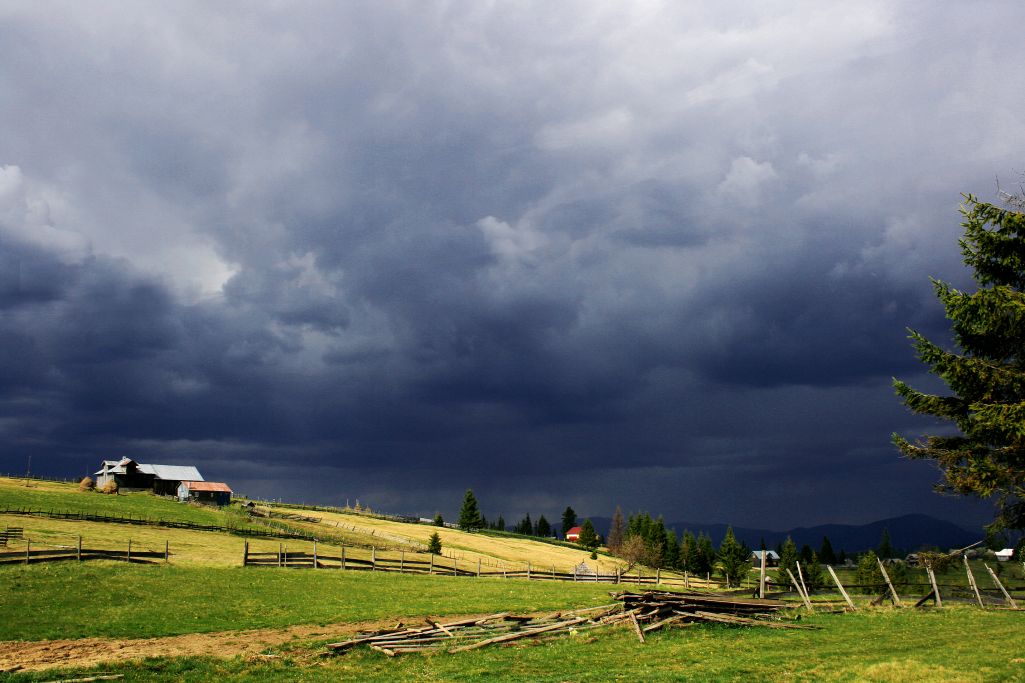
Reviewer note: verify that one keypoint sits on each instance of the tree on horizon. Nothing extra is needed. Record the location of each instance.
(617, 531)
(569, 520)
(469, 515)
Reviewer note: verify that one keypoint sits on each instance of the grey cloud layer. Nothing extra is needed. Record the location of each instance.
(489, 245)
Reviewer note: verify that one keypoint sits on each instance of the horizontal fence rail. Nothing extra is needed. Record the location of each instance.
(80, 553)
(281, 532)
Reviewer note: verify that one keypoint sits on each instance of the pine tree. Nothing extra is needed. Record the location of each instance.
(617, 531)
(439, 520)
(987, 374)
(869, 578)
(434, 544)
(688, 553)
(469, 515)
(569, 520)
(544, 529)
(805, 554)
(787, 560)
(885, 549)
(525, 527)
(500, 523)
(588, 537)
(672, 549)
(814, 576)
(734, 559)
(826, 554)
(705, 556)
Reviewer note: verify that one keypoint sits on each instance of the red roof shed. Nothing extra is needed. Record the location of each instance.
(573, 534)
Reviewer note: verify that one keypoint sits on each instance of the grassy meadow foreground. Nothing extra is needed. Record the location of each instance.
(202, 616)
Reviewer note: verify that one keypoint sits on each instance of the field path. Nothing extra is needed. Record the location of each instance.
(84, 652)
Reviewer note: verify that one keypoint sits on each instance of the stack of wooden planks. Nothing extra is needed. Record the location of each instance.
(655, 609)
(644, 612)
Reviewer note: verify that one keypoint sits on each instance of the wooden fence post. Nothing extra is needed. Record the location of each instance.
(129, 556)
(686, 580)
(342, 563)
(455, 566)
(478, 567)
(167, 551)
(431, 570)
(804, 596)
(619, 574)
(79, 548)
(935, 588)
(574, 572)
(839, 585)
(28, 551)
(528, 571)
(279, 554)
(245, 553)
(314, 554)
(761, 576)
(971, 581)
(1007, 596)
(373, 558)
(896, 598)
(658, 576)
(402, 561)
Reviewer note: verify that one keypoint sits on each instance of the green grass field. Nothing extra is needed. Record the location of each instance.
(68, 600)
(203, 591)
(958, 644)
(44, 495)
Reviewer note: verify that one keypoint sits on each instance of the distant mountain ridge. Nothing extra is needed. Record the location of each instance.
(907, 533)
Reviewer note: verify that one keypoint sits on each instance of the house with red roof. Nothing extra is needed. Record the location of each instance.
(573, 535)
(213, 492)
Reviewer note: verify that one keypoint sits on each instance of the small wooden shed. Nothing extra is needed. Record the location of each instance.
(573, 535)
(212, 492)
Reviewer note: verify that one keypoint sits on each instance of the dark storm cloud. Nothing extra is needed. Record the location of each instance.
(392, 252)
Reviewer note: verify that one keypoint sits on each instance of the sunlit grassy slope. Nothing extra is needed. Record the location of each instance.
(505, 551)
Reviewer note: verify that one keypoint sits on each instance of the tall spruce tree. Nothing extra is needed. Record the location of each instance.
(826, 553)
(525, 527)
(986, 375)
(617, 531)
(734, 559)
(569, 520)
(543, 528)
(705, 556)
(469, 515)
(787, 560)
(885, 549)
(588, 536)
(688, 553)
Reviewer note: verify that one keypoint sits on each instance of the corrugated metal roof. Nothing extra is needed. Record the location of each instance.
(207, 486)
(172, 472)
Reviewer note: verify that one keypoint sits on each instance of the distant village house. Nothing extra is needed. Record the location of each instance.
(573, 535)
(771, 558)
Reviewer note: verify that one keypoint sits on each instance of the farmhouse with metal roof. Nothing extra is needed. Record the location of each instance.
(131, 475)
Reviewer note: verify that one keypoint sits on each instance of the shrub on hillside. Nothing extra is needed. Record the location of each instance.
(110, 487)
(87, 484)
(434, 544)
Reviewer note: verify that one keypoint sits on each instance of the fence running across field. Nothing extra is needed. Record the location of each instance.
(342, 558)
(38, 551)
(283, 532)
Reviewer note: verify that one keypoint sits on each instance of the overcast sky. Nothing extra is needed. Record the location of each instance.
(660, 255)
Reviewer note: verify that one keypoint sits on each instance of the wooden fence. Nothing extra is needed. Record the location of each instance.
(416, 563)
(283, 532)
(80, 553)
